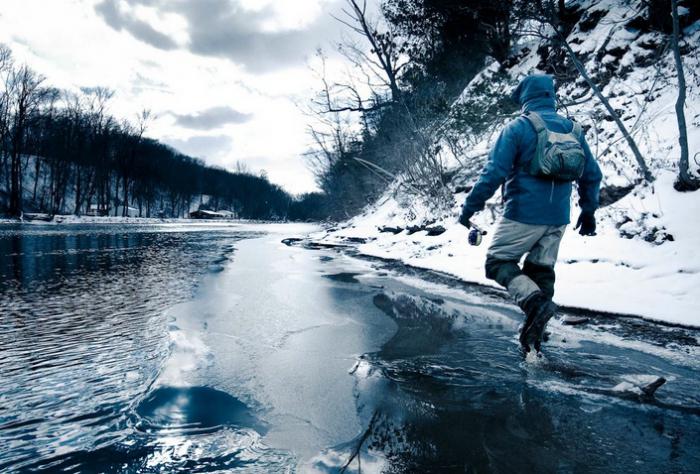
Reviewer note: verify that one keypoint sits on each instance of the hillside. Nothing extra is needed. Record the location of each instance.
(645, 259)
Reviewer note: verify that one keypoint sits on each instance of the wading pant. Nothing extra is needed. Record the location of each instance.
(511, 241)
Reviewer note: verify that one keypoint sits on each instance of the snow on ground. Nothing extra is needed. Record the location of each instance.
(604, 273)
(646, 258)
(73, 219)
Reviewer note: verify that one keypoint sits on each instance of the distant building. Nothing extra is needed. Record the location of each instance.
(205, 214)
(95, 210)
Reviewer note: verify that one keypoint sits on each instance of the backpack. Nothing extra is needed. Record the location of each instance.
(558, 156)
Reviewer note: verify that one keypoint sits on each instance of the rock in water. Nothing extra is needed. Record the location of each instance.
(651, 388)
(639, 385)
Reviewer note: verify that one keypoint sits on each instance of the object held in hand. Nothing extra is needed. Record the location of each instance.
(475, 235)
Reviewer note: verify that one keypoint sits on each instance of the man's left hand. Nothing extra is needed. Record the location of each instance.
(464, 219)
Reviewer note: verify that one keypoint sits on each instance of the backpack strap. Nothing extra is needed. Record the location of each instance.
(536, 121)
(542, 135)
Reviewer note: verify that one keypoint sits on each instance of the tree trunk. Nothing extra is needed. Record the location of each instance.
(16, 165)
(685, 181)
(657, 15)
(646, 174)
(15, 206)
(90, 185)
(3, 167)
(78, 190)
(37, 170)
(125, 208)
(116, 197)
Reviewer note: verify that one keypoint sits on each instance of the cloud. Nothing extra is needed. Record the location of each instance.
(99, 49)
(120, 20)
(211, 118)
(213, 148)
(223, 28)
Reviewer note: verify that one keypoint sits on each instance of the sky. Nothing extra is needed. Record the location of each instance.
(226, 80)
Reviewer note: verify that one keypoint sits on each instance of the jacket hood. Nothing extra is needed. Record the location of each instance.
(535, 92)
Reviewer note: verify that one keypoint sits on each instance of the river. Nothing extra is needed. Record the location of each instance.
(217, 348)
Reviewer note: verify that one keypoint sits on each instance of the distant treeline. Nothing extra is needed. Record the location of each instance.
(62, 152)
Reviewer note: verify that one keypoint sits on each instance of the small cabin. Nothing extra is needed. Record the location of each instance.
(95, 210)
(205, 214)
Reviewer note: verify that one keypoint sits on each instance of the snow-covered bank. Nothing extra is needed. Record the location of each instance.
(607, 272)
(72, 219)
(604, 273)
(645, 259)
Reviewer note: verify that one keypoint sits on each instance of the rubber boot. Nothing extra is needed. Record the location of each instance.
(538, 309)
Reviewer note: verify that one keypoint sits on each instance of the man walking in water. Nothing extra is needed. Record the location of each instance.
(538, 156)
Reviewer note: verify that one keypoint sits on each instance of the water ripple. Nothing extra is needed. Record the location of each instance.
(84, 333)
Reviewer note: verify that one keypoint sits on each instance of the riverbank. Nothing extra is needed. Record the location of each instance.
(73, 219)
(644, 261)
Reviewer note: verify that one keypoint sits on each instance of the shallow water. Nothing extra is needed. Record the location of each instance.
(217, 348)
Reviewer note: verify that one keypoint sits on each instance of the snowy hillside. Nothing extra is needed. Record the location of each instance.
(646, 257)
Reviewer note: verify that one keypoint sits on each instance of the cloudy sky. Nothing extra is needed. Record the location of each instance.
(224, 78)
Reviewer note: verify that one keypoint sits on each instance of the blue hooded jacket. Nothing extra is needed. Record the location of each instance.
(530, 199)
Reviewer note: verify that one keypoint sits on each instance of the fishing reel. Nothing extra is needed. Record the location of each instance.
(475, 235)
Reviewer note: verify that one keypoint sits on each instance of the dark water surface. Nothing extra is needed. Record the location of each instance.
(218, 349)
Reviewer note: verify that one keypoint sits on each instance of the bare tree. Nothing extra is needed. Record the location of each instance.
(6, 68)
(99, 123)
(49, 115)
(132, 136)
(27, 94)
(685, 181)
(383, 63)
(241, 167)
(76, 108)
(643, 168)
(374, 54)
(330, 131)
(404, 138)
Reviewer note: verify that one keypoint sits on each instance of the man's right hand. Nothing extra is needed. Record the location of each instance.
(586, 221)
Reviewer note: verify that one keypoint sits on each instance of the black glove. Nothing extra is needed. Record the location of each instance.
(464, 218)
(586, 221)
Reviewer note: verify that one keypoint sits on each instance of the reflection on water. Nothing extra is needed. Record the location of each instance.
(176, 429)
(83, 334)
(193, 409)
(450, 393)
